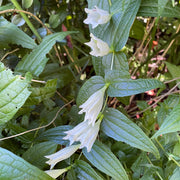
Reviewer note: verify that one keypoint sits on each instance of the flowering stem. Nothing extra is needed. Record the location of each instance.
(110, 3)
(16, 4)
(112, 61)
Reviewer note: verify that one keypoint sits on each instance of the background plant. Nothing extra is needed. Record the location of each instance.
(46, 73)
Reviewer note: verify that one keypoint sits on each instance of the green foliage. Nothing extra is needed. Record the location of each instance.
(13, 94)
(120, 128)
(86, 172)
(9, 33)
(14, 167)
(103, 159)
(47, 72)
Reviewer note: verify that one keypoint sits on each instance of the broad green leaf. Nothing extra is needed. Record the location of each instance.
(119, 63)
(161, 6)
(89, 87)
(42, 93)
(13, 94)
(150, 8)
(174, 71)
(55, 134)
(36, 60)
(176, 174)
(126, 87)
(171, 123)
(27, 3)
(35, 154)
(85, 171)
(16, 168)
(103, 159)
(11, 34)
(120, 128)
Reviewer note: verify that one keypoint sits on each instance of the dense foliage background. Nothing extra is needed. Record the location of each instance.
(46, 72)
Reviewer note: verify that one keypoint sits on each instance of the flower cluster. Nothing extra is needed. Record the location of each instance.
(86, 132)
(96, 17)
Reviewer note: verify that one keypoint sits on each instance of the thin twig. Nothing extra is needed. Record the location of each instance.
(168, 93)
(20, 134)
(8, 54)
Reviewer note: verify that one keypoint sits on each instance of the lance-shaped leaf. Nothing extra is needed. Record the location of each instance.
(104, 160)
(171, 123)
(126, 87)
(14, 167)
(36, 60)
(85, 171)
(120, 128)
(11, 34)
(161, 6)
(13, 94)
(151, 8)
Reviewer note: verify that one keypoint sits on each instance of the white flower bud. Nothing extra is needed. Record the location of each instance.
(99, 47)
(96, 16)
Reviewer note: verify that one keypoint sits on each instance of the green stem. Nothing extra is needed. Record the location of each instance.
(112, 61)
(110, 3)
(167, 155)
(28, 22)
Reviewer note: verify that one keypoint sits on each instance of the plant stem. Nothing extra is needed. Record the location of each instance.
(112, 61)
(33, 29)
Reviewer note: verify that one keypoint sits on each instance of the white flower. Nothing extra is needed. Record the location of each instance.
(84, 133)
(56, 172)
(93, 106)
(61, 155)
(99, 47)
(96, 16)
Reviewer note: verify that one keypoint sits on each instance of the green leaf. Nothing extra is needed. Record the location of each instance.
(27, 3)
(174, 71)
(176, 174)
(42, 93)
(11, 34)
(171, 123)
(125, 87)
(137, 30)
(104, 160)
(161, 6)
(120, 63)
(36, 60)
(55, 134)
(85, 171)
(13, 94)
(35, 155)
(89, 87)
(150, 8)
(16, 168)
(120, 128)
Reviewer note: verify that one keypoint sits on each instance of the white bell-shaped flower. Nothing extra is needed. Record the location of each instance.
(93, 105)
(61, 155)
(96, 16)
(99, 47)
(85, 133)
